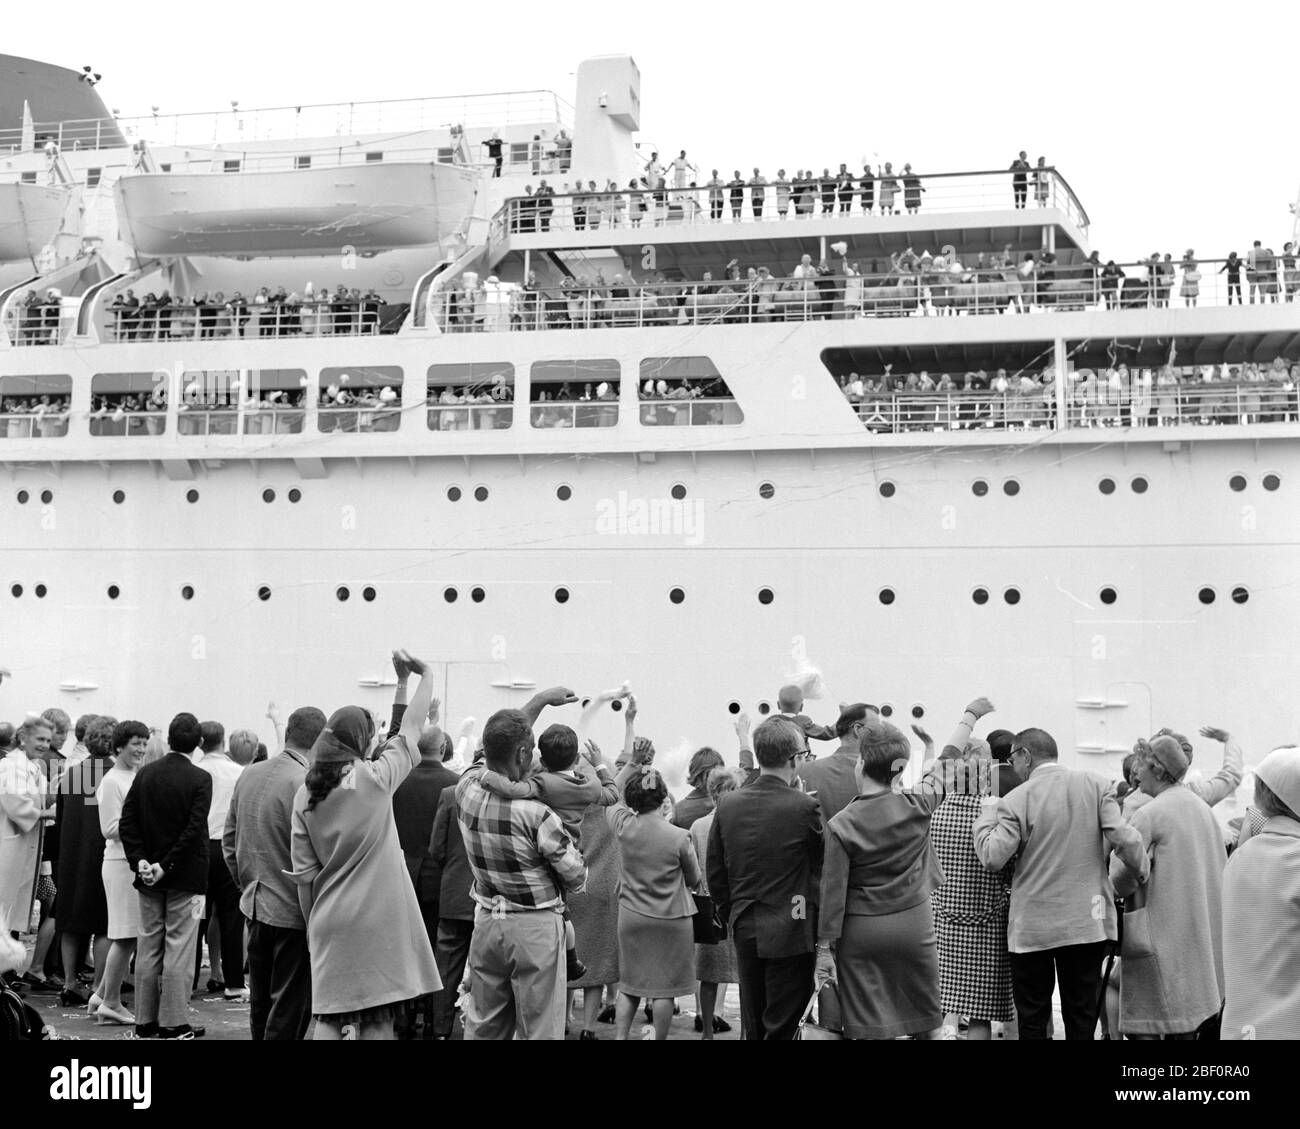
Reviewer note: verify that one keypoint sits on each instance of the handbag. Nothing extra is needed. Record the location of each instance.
(709, 927)
(807, 1029)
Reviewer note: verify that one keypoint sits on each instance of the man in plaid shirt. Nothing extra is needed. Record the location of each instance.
(522, 860)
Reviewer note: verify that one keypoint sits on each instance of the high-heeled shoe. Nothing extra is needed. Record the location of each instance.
(93, 1003)
(106, 1015)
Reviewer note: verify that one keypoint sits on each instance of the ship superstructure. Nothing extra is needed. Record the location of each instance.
(624, 432)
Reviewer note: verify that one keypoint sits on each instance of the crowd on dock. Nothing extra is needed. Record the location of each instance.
(370, 878)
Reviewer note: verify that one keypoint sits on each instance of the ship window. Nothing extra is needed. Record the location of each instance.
(93, 177)
(209, 402)
(980, 596)
(22, 496)
(1011, 488)
(372, 157)
(268, 495)
(232, 165)
(450, 594)
(683, 391)
(15, 590)
(1237, 483)
(616, 706)
(677, 595)
(480, 493)
(28, 178)
(733, 707)
(368, 594)
(275, 401)
(1012, 595)
(128, 403)
(766, 490)
(886, 711)
(119, 496)
(918, 712)
(764, 708)
(34, 407)
(561, 595)
(1106, 486)
(187, 593)
(1109, 596)
(678, 491)
(887, 596)
(1271, 482)
(191, 496)
(1240, 595)
(887, 489)
(295, 495)
(47, 496)
(1139, 485)
(114, 591)
(470, 397)
(518, 153)
(575, 393)
(477, 595)
(40, 591)
(446, 156)
(264, 593)
(341, 594)
(360, 398)
(1206, 595)
(302, 162)
(165, 168)
(766, 595)
(979, 488)
(564, 492)
(453, 493)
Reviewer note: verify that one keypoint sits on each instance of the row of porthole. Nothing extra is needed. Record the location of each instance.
(886, 709)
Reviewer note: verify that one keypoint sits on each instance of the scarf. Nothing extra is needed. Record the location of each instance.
(346, 737)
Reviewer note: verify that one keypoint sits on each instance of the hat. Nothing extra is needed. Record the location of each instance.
(1280, 770)
(1168, 754)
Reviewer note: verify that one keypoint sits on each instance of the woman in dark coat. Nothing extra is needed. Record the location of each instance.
(81, 907)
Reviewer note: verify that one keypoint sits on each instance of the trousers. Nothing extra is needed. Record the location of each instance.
(451, 951)
(164, 959)
(1076, 971)
(279, 983)
(517, 976)
(773, 990)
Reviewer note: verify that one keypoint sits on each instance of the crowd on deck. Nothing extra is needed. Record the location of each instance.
(376, 878)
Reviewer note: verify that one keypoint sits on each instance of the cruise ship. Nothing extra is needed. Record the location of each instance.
(283, 389)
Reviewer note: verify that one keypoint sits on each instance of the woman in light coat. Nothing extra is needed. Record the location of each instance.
(23, 812)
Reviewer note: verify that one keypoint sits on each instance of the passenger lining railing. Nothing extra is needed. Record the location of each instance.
(715, 412)
(131, 423)
(187, 322)
(568, 413)
(624, 207)
(470, 417)
(837, 296)
(359, 419)
(33, 425)
(47, 323)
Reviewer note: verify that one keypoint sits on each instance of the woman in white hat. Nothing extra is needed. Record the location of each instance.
(1261, 910)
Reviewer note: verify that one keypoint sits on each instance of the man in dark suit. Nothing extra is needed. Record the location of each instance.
(164, 828)
(455, 911)
(764, 867)
(831, 778)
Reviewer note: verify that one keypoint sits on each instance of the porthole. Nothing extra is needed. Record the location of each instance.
(764, 708)
(47, 496)
(191, 496)
(886, 711)
(766, 595)
(480, 493)
(1012, 595)
(1271, 482)
(1206, 595)
(980, 596)
(187, 593)
(586, 702)
(1106, 486)
(264, 593)
(341, 593)
(766, 490)
(295, 495)
(119, 496)
(1108, 596)
(887, 489)
(268, 495)
(40, 591)
(561, 595)
(368, 594)
(918, 712)
(733, 708)
(114, 591)
(15, 590)
(677, 595)
(616, 705)
(1139, 485)
(450, 594)
(886, 596)
(1240, 595)
(1011, 488)
(564, 492)
(1237, 483)
(453, 493)
(979, 488)
(678, 491)
(477, 595)
(22, 497)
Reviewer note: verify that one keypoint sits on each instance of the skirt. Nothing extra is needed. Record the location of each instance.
(656, 956)
(123, 901)
(383, 1013)
(888, 972)
(716, 964)
(975, 968)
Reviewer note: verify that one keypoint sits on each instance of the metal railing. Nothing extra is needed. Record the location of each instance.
(920, 293)
(128, 423)
(626, 208)
(358, 419)
(403, 115)
(188, 322)
(47, 323)
(718, 412)
(33, 425)
(470, 417)
(563, 414)
(259, 420)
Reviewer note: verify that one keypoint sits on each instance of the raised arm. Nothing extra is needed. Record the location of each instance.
(1226, 781)
(403, 672)
(1121, 834)
(956, 744)
(629, 735)
(590, 710)
(273, 716)
(418, 707)
(555, 696)
(746, 748)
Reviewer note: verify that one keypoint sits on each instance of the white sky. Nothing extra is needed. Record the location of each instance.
(1173, 122)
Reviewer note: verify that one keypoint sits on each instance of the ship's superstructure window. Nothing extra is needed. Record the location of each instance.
(979, 488)
(764, 708)
(374, 156)
(47, 496)
(733, 707)
(114, 591)
(264, 593)
(471, 397)
(766, 595)
(209, 402)
(274, 401)
(477, 595)
(187, 592)
(453, 493)
(22, 497)
(766, 490)
(119, 496)
(358, 398)
(561, 595)
(93, 177)
(1108, 596)
(1237, 483)
(231, 165)
(480, 493)
(1240, 595)
(678, 491)
(295, 495)
(1106, 486)
(685, 391)
(1271, 482)
(450, 595)
(40, 591)
(1139, 485)
(191, 496)
(616, 705)
(446, 156)
(887, 596)
(886, 710)
(1012, 595)
(268, 495)
(128, 403)
(980, 596)
(341, 594)
(564, 492)
(34, 407)
(1206, 595)
(302, 161)
(1011, 487)
(16, 590)
(677, 595)
(918, 712)
(569, 393)
(368, 594)
(887, 489)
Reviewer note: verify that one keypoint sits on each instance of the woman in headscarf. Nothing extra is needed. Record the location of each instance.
(370, 952)
(696, 802)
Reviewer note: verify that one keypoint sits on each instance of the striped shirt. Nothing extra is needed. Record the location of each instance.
(518, 851)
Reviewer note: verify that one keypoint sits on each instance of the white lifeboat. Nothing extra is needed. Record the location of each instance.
(30, 218)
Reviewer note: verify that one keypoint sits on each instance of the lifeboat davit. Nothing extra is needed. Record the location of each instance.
(368, 207)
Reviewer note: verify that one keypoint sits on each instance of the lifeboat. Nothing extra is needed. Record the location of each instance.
(30, 218)
(368, 207)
